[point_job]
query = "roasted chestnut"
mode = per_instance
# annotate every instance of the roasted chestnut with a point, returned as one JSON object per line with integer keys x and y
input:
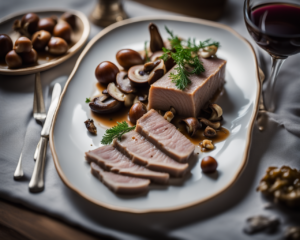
{"x": 30, "y": 22}
{"x": 40, "y": 40}
{"x": 29, "y": 57}
{"x": 209, "y": 164}
{"x": 23, "y": 44}
{"x": 13, "y": 60}
{"x": 6, "y": 45}
{"x": 69, "y": 18}
{"x": 63, "y": 30}
{"x": 57, "y": 46}
{"x": 46, "y": 24}
{"x": 137, "y": 111}
{"x": 128, "y": 58}
{"x": 106, "y": 72}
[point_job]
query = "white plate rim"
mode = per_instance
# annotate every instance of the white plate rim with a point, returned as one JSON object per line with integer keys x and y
{"x": 77, "y": 46}
{"x": 82, "y": 55}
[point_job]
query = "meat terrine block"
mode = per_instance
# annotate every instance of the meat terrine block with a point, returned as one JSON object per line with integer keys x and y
{"x": 119, "y": 183}
{"x": 111, "y": 159}
{"x": 142, "y": 152}
{"x": 165, "y": 136}
{"x": 164, "y": 94}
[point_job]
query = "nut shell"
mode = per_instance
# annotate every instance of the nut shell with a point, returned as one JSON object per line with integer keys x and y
{"x": 30, "y": 22}
{"x": 137, "y": 111}
{"x": 128, "y": 58}
{"x": 63, "y": 30}
{"x": 23, "y": 44}
{"x": 46, "y": 24}
{"x": 40, "y": 40}
{"x": 69, "y": 18}
{"x": 106, "y": 72}
{"x": 57, "y": 46}
{"x": 29, "y": 57}
{"x": 13, "y": 60}
{"x": 6, "y": 45}
{"x": 209, "y": 164}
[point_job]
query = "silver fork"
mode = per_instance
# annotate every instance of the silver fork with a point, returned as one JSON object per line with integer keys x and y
{"x": 39, "y": 114}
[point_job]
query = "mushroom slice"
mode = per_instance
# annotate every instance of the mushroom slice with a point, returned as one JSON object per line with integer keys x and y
{"x": 123, "y": 83}
{"x": 210, "y": 132}
{"x": 169, "y": 116}
{"x": 101, "y": 106}
{"x": 208, "y": 144}
{"x": 142, "y": 98}
{"x": 208, "y": 51}
{"x": 129, "y": 100}
{"x": 217, "y": 112}
{"x": 137, "y": 75}
{"x": 104, "y": 91}
{"x": 169, "y": 63}
{"x": 114, "y": 92}
{"x": 157, "y": 72}
{"x": 156, "y": 56}
{"x": 192, "y": 125}
{"x": 214, "y": 125}
{"x": 156, "y": 42}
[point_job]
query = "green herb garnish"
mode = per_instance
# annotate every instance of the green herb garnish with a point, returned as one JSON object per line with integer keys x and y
{"x": 87, "y": 100}
{"x": 184, "y": 53}
{"x": 116, "y": 132}
{"x": 146, "y": 52}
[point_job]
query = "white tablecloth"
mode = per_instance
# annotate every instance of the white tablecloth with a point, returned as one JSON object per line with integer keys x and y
{"x": 220, "y": 218}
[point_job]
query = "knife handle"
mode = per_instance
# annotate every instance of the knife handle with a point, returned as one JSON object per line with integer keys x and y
{"x": 36, "y": 183}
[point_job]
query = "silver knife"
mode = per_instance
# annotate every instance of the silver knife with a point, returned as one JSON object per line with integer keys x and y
{"x": 36, "y": 183}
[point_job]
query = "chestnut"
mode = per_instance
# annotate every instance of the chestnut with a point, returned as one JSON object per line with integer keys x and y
{"x": 40, "y": 40}
{"x": 128, "y": 58}
{"x": 137, "y": 111}
{"x": 6, "y": 45}
{"x": 29, "y": 57}
{"x": 63, "y": 30}
{"x": 13, "y": 60}
{"x": 209, "y": 164}
{"x": 23, "y": 44}
{"x": 46, "y": 24}
{"x": 106, "y": 72}
{"x": 69, "y": 18}
{"x": 30, "y": 22}
{"x": 57, "y": 46}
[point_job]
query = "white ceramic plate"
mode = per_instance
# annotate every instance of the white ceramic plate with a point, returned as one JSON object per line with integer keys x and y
{"x": 69, "y": 138}
{"x": 79, "y": 38}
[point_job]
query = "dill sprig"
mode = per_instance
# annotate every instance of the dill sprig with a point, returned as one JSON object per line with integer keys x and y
{"x": 146, "y": 52}
{"x": 87, "y": 100}
{"x": 116, "y": 132}
{"x": 184, "y": 53}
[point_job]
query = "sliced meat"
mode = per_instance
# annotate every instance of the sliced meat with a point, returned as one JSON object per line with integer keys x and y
{"x": 164, "y": 136}
{"x": 119, "y": 183}
{"x": 111, "y": 159}
{"x": 142, "y": 152}
{"x": 164, "y": 94}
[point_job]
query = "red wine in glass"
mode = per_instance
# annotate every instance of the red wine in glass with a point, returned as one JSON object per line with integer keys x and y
{"x": 275, "y": 27}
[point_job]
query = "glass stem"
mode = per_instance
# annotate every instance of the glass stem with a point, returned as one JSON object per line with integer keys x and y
{"x": 269, "y": 90}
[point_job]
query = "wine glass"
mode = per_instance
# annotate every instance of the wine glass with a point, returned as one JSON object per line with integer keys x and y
{"x": 274, "y": 26}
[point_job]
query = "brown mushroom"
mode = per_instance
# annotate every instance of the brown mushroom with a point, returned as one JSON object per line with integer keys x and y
{"x": 192, "y": 125}
{"x": 210, "y": 132}
{"x": 128, "y": 58}
{"x": 23, "y": 44}
{"x": 13, "y": 60}
{"x": 29, "y": 57}
{"x": 157, "y": 72}
{"x": 217, "y": 112}
{"x": 137, "y": 76}
{"x": 40, "y": 40}
{"x": 105, "y": 105}
{"x": 69, "y": 18}
{"x": 29, "y": 22}
{"x": 106, "y": 72}
{"x": 46, "y": 24}
{"x": 137, "y": 111}
{"x": 123, "y": 82}
{"x": 169, "y": 116}
{"x": 90, "y": 126}
{"x": 57, "y": 46}
{"x": 63, "y": 30}
{"x": 114, "y": 92}
{"x": 156, "y": 42}
{"x": 206, "y": 122}
{"x": 169, "y": 63}
{"x": 6, "y": 45}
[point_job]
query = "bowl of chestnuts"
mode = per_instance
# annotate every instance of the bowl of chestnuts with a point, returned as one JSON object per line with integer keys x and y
{"x": 32, "y": 42}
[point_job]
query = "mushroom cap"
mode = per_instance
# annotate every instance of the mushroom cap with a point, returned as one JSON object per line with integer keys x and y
{"x": 123, "y": 82}
{"x": 156, "y": 42}
{"x": 105, "y": 106}
{"x": 210, "y": 132}
{"x": 135, "y": 76}
{"x": 128, "y": 58}
{"x": 192, "y": 125}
